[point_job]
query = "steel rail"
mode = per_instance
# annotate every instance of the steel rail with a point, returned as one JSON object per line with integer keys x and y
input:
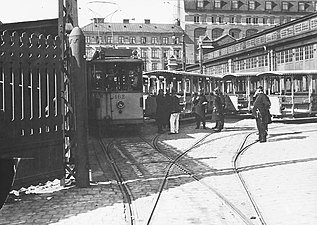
{"x": 127, "y": 195}
{"x": 174, "y": 162}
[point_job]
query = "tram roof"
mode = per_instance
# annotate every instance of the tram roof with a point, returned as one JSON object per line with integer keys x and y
{"x": 288, "y": 73}
{"x": 242, "y": 74}
{"x": 174, "y": 73}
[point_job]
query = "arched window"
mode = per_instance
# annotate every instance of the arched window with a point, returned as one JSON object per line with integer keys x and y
{"x": 250, "y": 32}
{"x": 216, "y": 33}
{"x": 236, "y": 33}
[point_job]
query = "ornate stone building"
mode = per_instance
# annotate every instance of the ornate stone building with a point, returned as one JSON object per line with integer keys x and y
{"x": 155, "y": 43}
{"x": 237, "y": 18}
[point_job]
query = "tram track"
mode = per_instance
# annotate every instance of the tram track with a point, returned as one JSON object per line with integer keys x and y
{"x": 126, "y": 193}
{"x": 174, "y": 162}
{"x": 242, "y": 148}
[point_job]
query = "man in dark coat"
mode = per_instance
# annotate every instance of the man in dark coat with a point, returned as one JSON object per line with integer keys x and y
{"x": 167, "y": 112}
{"x": 261, "y": 113}
{"x": 161, "y": 108}
{"x": 199, "y": 106}
{"x": 218, "y": 111}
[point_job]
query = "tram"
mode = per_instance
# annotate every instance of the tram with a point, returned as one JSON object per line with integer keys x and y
{"x": 185, "y": 84}
{"x": 115, "y": 95}
{"x": 292, "y": 93}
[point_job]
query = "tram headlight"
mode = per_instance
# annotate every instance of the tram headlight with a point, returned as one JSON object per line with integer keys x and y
{"x": 120, "y": 105}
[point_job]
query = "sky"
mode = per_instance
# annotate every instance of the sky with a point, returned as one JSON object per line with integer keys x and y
{"x": 158, "y": 11}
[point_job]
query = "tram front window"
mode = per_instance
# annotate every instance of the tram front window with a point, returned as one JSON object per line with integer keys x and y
{"x": 120, "y": 78}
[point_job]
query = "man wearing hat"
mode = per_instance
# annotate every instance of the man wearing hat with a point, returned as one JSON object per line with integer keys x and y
{"x": 218, "y": 108}
{"x": 261, "y": 113}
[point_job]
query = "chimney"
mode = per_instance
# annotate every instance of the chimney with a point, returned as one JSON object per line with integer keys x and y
{"x": 147, "y": 21}
{"x": 125, "y": 21}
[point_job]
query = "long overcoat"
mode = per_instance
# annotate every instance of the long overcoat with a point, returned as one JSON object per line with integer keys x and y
{"x": 261, "y": 108}
{"x": 218, "y": 108}
{"x": 161, "y": 108}
{"x": 200, "y": 103}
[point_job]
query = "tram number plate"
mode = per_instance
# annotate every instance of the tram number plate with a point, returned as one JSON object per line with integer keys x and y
{"x": 119, "y": 96}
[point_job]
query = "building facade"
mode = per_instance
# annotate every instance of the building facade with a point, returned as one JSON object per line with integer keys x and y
{"x": 155, "y": 43}
{"x": 237, "y": 18}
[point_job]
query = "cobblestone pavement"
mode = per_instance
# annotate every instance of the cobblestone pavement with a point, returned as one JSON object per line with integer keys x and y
{"x": 280, "y": 173}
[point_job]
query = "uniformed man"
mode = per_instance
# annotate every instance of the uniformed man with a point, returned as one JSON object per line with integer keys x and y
{"x": 261, "y": 112}
{"x": 218, "y": 111}
{"x": 199, "y": 107}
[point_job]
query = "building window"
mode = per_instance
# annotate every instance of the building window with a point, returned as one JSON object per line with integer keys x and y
{"x": 234, "y": 4}
{"x": 217, "y": 4}
{"x": 177, "y": 53}
{"x": 126, "y": 40}
{"x": 165, "y": 53}
{"x": 285, "y": 6}
{"x": 315, "y": 6}
{"x": 176, "y": 40}
{"x": 143, "y": 40}
{"x": 165, "y": 40}
{"x": 216, "y": 33}
{"x": 235, "y": 33}
{"x": 121, "y": 39}
{"x": 255, "y": 20}
{"x": 154, "y": 66}
{"x": 268, "y": 5}
{"x": 301, "y": 6}
{"x": 309, "y": 52}
{"x": 251, "y": 32}
{"x": 143, "y": 53}
{"x": 238, "y": 19}
{"x": 220, "y": 19}
{"x": 132, "y": 40}
{"x": 231, "y": 19}
{"x": 200, "y": 4}
{"x": 272, "y": 20}
{"x": 213, "y": 19}
{"x": 251, "y": 5}
{"x": 154, "y": 53}
{"x": 248, "y": 20}
{"x": 87, "y": 39}
{"x": 154, "y": 40}
{"x": 109, "y": 39}
{"x": 196, "y": 19}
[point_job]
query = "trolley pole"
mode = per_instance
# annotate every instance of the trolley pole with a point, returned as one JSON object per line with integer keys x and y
{"x": 79, "y": 82}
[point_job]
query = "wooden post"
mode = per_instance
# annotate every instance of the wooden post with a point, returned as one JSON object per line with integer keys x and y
{"x": 79, "y": 82}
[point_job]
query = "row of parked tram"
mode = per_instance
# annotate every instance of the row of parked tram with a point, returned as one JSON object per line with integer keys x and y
{"x": 292, "y": 93}
{"x": 121, "y": 93}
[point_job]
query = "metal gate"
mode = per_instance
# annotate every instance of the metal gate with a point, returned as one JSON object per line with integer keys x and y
{"x": 30, "y": 104}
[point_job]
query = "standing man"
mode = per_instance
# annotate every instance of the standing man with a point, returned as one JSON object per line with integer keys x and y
{"x": 218, "y": 111}
{"x": 160, "y": 110}
{"x": 176, "y": 108}
{"x": 261, "y": 112}
{"x": 199, "y": 101}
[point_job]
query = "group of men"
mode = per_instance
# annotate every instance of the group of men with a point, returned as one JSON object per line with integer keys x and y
{"x": 200, "y": 102}
{"x": 169, "y": 108}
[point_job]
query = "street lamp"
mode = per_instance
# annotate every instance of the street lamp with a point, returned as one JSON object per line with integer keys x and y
{"x": 184, "y": 53}
{"x": 204, "y": 43}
